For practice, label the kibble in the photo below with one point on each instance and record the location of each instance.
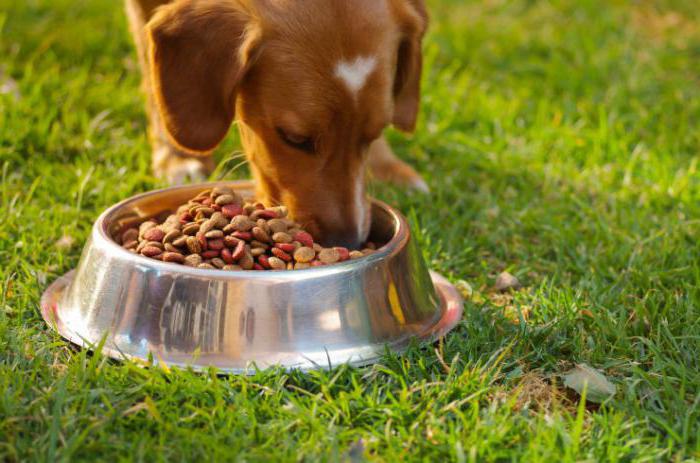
(217, 230)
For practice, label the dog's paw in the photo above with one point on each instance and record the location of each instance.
(400, 174)
(177, 168)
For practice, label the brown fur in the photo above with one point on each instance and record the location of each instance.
(270, 64)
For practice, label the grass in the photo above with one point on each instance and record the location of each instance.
(561, 143)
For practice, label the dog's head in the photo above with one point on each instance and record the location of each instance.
(313, 83)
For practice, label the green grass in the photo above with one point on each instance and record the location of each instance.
(561, 143)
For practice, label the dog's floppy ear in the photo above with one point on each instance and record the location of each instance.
(413, 20)
(199, 52)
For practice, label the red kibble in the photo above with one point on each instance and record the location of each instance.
(267, 214)
(317, 263)
(247, 236)
(211, 254)
(185, 217)
(226, 256)
(216, 207)
(239, 251)
(277, 252)
(304, 238)
(286, 247)
(217, 244)
(343, 252)
(262, 260)
(207, 201)
(258, 267)
(232, 210)
(154, 234)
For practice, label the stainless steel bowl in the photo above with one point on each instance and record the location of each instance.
(319, 317)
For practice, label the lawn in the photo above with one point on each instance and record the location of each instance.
(561, 143)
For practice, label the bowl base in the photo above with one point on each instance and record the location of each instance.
(51, 311)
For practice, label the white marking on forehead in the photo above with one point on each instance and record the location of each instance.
(354, 73)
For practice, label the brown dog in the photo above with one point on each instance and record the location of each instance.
(312, 83)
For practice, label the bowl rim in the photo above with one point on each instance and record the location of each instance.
(101, 234)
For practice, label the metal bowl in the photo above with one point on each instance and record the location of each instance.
(232, 320)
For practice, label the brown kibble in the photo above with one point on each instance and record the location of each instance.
(246, 262)
(329, 256)
(151, 251)
(242, 223)
(193, 260)
(154, 234)
(219, 220)
(317, 247)
(170, 248)
(155, 244)
(175, 257)
(222, 190)
(191, 229)
(193, 245)
(132, 234)
(225, 199)
(207, 226)
(257, 252)
(214, 234)
(180, 242)
(171, 236)
(262, 223)
(276, 263)
(218, 263)
(204, 211)
(277, 225)
(260, 235)
(281, 237)
(131, 244)
(206, 266)
(356, 254)
(232, 267)
(304, 254)
(301, 265)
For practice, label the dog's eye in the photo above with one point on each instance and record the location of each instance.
(300, 142)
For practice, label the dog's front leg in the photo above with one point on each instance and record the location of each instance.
(385, 166)
(167, 161)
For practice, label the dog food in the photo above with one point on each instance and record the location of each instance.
(218, 230)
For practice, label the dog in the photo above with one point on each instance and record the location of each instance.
(312, 85)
